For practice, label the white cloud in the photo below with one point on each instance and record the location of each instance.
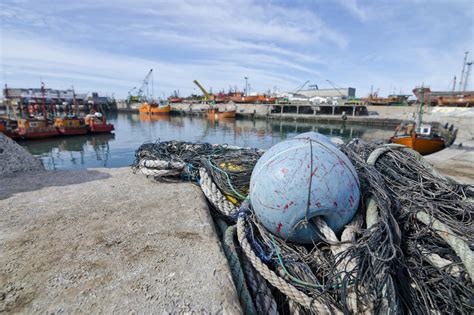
(110, 45)
(354, 9)
(24, 60)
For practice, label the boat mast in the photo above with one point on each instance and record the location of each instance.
(420, 112)
(43, 96)
(74, 101)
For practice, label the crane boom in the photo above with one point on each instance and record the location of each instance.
(301, 87)
(144, 86)
(338, 90)
(462, 71)
(466, 77)
(206, 95)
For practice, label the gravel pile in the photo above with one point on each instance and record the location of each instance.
(13, 158)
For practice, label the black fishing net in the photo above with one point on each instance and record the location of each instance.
(398, 259)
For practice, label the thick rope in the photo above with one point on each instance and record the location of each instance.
(162, 165)
(264, 301)
(440, 262)
(158, 173)
(215, 196)
(337, 247)
(228, 245)
(456, 243)
(311, 304)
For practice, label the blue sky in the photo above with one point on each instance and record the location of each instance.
(109, 46)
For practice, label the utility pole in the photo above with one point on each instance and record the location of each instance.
(462, 71)
(454, 84)
(246, 86)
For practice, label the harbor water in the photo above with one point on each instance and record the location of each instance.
(131, 130)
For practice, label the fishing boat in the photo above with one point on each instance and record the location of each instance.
(36, 128)
(154, 108)
(244, 99)
(175, 100)
(96, 123)
(264, 99)
(420, 139)
(69, 126)
(420, 136)
(9, 128)
(216, 113)
(456, 100)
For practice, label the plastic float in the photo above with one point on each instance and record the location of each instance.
(300, 179)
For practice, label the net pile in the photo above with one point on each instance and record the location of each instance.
(408, 249)
(225, 169)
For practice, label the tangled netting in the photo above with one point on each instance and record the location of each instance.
(409, 249)
(230, 167)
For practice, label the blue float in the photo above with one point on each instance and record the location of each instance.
(302, 178)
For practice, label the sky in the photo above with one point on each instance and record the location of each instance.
(109, 46)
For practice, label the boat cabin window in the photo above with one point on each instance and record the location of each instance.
(425, 130)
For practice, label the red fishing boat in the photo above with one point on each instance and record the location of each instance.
(69, 126)
(216, 113)
(9, 128)
(36, 128)
(96, 123)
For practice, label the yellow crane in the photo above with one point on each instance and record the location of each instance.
(207, 97)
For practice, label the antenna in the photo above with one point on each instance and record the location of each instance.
(462, 71)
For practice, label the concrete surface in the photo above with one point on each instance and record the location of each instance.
(14, 158)
(108, 241)
(456, 161)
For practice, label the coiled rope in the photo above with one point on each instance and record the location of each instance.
(311, 304)
(215, 196)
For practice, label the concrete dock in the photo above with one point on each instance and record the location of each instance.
(109, 241)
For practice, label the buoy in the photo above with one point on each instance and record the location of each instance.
(302, 178)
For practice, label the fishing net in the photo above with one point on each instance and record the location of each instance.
(230, 167)
(407, 250)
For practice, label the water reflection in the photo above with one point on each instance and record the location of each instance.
(72, 152)
(143, 117)
(131, 130)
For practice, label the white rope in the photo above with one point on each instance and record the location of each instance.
(456, 243)
(311, 304)
(158, 173)
(440, 262)
(162, 165)
(347, 265)
(214, 195)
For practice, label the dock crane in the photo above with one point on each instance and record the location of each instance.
(129, 93)
(468, 73)
(337, 89)
(301, 87)
(144, 87)
(464, 63)
(207, 97)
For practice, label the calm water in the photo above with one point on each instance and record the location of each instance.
(116, 150)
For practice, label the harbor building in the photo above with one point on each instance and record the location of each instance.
(344, 93)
